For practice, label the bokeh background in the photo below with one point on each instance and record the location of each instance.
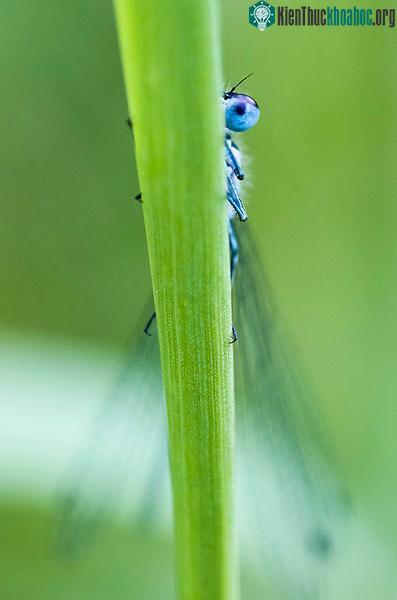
(74, 272)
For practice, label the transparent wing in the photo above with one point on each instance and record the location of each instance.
(291, 499)
(122, 469)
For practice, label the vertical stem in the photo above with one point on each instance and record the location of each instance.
(170, 54)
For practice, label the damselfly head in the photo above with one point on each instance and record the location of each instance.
(241, 111)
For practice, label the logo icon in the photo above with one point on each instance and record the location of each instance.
(262, 15)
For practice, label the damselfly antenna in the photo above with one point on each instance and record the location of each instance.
(238, 84)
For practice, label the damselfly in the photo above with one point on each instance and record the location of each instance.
(290, 499)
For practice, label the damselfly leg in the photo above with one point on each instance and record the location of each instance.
(231, 158)
(149, 324)
(233, 245)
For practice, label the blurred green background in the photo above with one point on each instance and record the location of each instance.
(74, 272)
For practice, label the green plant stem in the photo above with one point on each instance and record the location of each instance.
(170, 55)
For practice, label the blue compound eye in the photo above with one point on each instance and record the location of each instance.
(241, 112)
